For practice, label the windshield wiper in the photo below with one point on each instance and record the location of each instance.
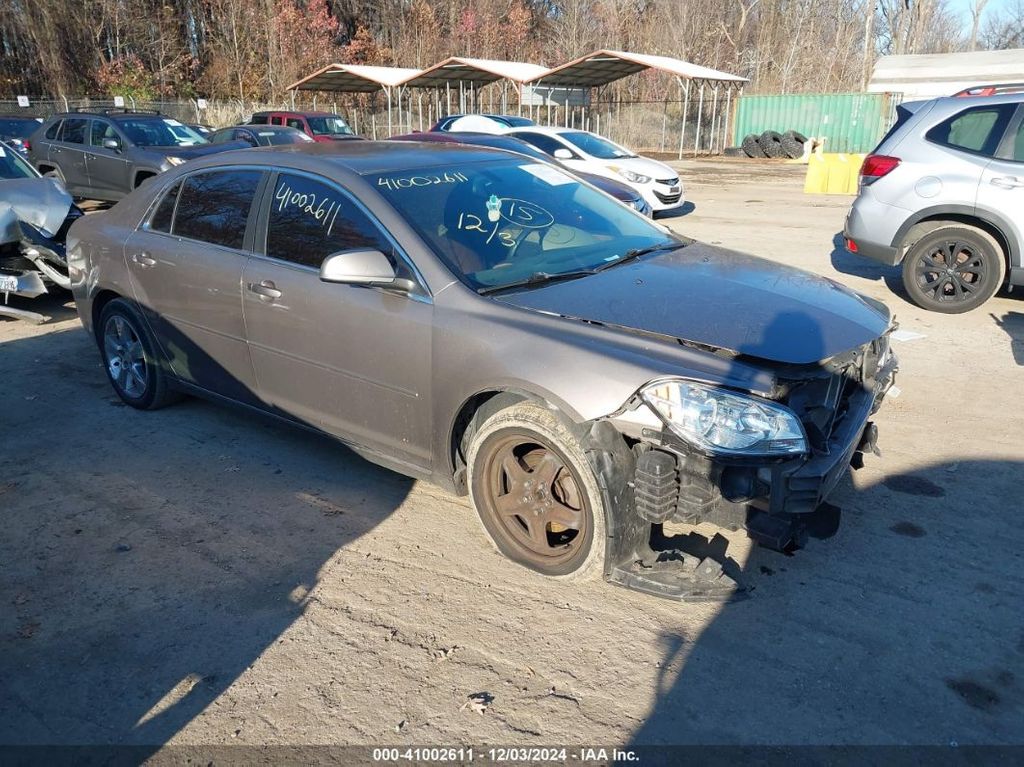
(635, 253)
(535, 279)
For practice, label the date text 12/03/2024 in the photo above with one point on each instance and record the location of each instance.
(499, 755)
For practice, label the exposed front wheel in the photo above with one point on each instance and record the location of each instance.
(536, 494)
(953, 269)
(130, 360)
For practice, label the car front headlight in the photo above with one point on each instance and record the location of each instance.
(721, 421)
(635, 178)
(175, 160)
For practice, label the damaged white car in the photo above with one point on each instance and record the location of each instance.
(35, 214)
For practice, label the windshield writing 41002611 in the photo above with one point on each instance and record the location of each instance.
(427, 179)
(323, 209)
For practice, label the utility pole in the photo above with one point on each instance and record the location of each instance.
(869, 41)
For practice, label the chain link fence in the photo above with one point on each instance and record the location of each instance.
(672, 126)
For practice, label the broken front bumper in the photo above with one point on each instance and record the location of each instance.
(668, 480)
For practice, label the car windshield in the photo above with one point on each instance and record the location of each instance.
(328, 126)
(17, 127)
(504, 222)
(159, 131)
(12, 166)
(595, 146)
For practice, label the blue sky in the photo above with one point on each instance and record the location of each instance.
(964, 8)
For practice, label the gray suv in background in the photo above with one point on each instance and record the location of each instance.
(103, 155)
(943, 194)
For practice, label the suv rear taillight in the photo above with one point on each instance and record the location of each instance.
(877, 165)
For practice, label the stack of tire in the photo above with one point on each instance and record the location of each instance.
(774, 144)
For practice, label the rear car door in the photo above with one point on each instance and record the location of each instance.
(186, 265)
(1001, 192)
(351, 360)
(69, 151)
(109, 170)
(39, 152)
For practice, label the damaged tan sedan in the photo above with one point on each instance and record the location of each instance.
(487, 322)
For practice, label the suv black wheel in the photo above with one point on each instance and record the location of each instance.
(953, 269)
(130, 360)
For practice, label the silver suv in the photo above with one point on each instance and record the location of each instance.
(943, 193)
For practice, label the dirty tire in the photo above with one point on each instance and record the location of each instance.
(791, 147)
(771, 143)
(953, 269)
(526, 452)
(751, 147)
(734, 151)
(56, 175)
(796, 135)
(128, 352)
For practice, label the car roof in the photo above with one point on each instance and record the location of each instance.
(297, 113)
(264, 128)
(548, 130)
(360, 157)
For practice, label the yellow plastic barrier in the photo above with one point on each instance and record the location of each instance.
(832, 173)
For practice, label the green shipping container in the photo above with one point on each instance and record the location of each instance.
(849, 122)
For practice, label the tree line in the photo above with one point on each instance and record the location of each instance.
(253, 49)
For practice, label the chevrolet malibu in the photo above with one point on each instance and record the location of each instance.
(492, 324)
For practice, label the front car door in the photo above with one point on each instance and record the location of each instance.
(351, 360)
(186, 263)
(109, 169)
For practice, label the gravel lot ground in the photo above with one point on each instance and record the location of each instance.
(197, 576)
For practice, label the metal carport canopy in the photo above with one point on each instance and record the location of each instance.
(480, 71)
(353, 78)
(605, 66)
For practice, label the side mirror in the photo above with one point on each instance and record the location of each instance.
(112, 143)
(362, 267)
(563, 154)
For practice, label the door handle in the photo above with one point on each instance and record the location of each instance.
(143, 259)
(266, 290)
(1007, 182)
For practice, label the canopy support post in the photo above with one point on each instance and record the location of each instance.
(685, 91)
(700, 115)
(388, 92)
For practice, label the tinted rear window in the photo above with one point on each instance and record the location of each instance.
(214, 207)
(974, 130)
(260, 119)
(17, 128)
(51, 132)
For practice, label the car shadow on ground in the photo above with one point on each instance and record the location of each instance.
(1012, 324)
(133, 595)
(859, 266)
(905, 629)
(685, 209)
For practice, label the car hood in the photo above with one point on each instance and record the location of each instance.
(714, 297)
(646, 167)
(41, 202)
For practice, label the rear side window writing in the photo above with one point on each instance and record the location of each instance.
(214, 207)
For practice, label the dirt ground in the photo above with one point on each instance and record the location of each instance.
(197, 576)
